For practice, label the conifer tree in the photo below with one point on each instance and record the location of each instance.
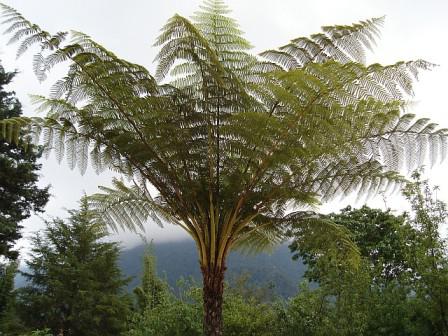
(229, 140)
(10, 324)
(6, 287)
(152, 289)
(74, 284)
(19, 196)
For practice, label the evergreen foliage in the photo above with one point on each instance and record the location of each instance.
(7, 273)
(229, 139)
(9, 321)
(152, 290)
(19, 194)
(74, 284)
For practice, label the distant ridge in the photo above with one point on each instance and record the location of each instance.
(179, 259)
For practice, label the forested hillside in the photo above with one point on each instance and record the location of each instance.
(179, 259)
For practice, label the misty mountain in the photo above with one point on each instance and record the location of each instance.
(178, 259)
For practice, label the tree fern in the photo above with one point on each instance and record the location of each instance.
(232, 142)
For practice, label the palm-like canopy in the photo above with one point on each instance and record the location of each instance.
(228, 139)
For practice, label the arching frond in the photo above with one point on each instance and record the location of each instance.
(340, 43)
(127, 207)
(263, 234)
(310, 231)
(77, 144)
(320, 236)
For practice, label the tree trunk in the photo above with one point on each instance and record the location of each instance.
(213, 288)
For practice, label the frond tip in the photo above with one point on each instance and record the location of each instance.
(339, 43)
(12, 129)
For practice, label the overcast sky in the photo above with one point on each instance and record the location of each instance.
(413, 30)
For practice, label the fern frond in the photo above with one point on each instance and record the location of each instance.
(320, 236)
(181, 40)
(126, 207)
(262, 234)
(11, 130)
(343, 177)
(311, 231)
(339, 43)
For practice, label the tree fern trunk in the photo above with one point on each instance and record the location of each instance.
(213, 288)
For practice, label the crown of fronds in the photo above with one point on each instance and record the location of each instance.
(229, 139)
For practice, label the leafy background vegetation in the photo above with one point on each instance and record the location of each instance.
(400, 286)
